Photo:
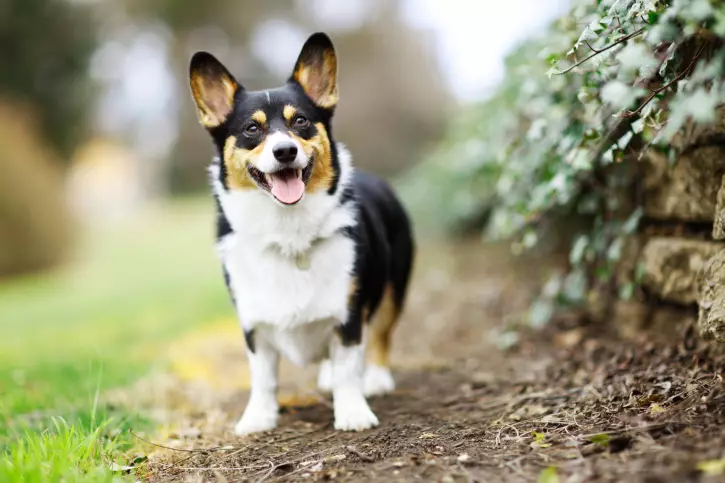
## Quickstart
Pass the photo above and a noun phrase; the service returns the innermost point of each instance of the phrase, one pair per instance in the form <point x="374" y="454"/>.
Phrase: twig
<point x="608" y="47"/>
<point x="498" y="435"/>
<point x="299" y="460"/>
<point x="664" y="87"/>
<point x="300" y="435"/>
<point x="272" y="469"/>
<point x="592" y="48"/>
<point x="209" y="468"/>
<point x="633" y="429"/>
<point x="362" y="456"/>
<point x="181" y="450"/>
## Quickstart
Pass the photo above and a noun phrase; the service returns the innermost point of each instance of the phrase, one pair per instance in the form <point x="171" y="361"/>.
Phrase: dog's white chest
<point x="288" y="290"/>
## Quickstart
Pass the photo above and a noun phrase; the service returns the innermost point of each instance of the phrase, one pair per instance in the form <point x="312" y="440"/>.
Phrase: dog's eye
<point x="300" y="121"/>
<point x="252" y="129"/>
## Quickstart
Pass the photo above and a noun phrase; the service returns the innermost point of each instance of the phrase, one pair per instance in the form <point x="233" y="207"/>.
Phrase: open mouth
<point x="286" y="185"/>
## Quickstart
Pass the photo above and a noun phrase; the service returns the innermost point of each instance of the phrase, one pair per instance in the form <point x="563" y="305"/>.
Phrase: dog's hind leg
<point x="378" y="378"/>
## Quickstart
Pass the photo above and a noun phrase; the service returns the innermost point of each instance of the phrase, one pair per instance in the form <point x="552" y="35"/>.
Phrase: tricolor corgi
<point x="316" y="256"/>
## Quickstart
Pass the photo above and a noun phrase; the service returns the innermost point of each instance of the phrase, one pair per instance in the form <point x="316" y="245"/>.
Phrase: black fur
<point x="383" y="250"/>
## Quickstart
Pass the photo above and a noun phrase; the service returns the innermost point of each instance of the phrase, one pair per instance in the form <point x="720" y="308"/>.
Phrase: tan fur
<point x="319" y="148"/>
<point x="260" y="117"/>
<point x="380" y="329"/>
<point x="214" y="98"/>
<point x="319" y="79"/>
<point x="289" y="112"/>
<point x="352" y="290"/>
<point x="236" y="160"/>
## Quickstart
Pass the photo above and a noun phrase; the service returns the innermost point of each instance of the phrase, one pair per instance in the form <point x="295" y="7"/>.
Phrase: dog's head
<point x="277" y="140"/>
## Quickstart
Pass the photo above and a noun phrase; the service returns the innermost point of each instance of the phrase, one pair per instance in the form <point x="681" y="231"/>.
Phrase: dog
<point x="316" y="256"/>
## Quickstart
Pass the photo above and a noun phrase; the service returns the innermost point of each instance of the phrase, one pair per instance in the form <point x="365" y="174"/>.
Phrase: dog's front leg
<point x="262" y="409"/>
<point x="352" y="412"/>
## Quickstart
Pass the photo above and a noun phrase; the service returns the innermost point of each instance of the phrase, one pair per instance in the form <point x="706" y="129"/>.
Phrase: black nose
<point x="285" y="152"/>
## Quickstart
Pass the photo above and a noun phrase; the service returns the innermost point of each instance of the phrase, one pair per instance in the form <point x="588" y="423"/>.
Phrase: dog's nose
<point x="285" y="152"/>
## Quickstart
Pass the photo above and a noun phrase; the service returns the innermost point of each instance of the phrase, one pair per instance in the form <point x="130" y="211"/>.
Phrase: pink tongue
<point x="287" y="187"/>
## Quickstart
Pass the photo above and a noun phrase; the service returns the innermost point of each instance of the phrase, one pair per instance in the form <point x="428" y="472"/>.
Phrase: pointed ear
<point x="316" y="71"/>
<point x="213" y="88"/>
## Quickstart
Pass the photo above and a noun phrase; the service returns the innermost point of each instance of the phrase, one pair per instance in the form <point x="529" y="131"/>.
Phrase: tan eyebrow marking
<point x="289" y="111"/>
<point x="260" y="117"/>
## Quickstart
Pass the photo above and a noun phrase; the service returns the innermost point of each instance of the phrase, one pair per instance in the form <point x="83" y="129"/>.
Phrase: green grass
<point x="99" y="323"/>
<point x="63" y="453"/>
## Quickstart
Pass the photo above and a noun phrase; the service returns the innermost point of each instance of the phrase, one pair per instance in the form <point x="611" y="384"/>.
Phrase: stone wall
<point x="681" y="248"/>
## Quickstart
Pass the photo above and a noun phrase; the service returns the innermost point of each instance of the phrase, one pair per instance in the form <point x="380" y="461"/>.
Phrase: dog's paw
<point x="352" y="413"/>
<point x="378" y="380"/>
<point x="324" y="377"/>
<point x="256" y="420"/>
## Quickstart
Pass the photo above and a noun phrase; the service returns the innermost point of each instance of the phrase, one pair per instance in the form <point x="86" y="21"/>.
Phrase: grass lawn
<point x="99" y="323"/>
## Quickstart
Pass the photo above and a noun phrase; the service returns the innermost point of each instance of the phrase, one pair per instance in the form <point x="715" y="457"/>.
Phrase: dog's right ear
<point x="213" y="88"/>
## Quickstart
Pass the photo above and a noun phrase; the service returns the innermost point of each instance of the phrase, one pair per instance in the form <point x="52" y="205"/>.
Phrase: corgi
<point x="316" y="256"/>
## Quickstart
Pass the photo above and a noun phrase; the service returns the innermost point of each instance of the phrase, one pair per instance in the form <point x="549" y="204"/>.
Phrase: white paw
<point x="257" y="419"/>
<point x="352" y="413"/>
<point x="324" y="377"/>
<point x="378" y="380"/>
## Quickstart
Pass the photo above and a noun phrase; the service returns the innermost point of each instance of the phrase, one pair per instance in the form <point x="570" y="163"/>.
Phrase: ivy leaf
<point x="588" y="34"/>
<point x="702" y="105"/>
<point x="623" y="142"/>
<point x="540" y="313"/>
<point x="635" y="56"/>
<point x="575" y="286"/>
<point x="614" y="252"/>
<point x="656" y="409"/>
<point x="577" y="252"/>
<point x="719" y="27"/>
<point x="601" y="439"/>
<point x="539" y="440"/>
<point x="619" y="7"/>
<point x="697" y="11"/>
<point x="630" y="226"/>
<point x="712" y="467"/>
<point x="626" y="291"/>
<point x="707" y="71"/>
<point x="620" y="95"/>
<point x="548" y="475"/>
<point x="677" y="117"/>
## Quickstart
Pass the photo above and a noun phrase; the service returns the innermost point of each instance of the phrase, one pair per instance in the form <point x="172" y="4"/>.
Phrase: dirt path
<point x="558" y="407"/>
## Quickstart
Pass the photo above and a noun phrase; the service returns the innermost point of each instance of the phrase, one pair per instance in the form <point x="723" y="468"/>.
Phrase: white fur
<point x="293" y="307"/>
<point x="262" y="410"/>
<point x="378" y="380"/>
<point x="324" y="376"/>
<point x="267" y="163"/>
<point x="352" y="412"/>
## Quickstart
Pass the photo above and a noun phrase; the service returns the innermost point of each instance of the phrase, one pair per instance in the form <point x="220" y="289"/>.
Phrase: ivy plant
<point x="561" y="138"/>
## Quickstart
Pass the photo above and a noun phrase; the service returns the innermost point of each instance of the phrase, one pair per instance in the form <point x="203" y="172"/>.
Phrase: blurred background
<point x="106" y="245"/>
<point x="526" y="190"/>
<point x="96" y="120"/>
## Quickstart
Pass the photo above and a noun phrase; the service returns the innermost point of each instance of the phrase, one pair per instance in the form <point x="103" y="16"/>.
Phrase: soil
<point x="566" y="404"/>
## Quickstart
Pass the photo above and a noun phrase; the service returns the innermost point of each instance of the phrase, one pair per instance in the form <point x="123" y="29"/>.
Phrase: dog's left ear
<point x="316" y="71"/>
